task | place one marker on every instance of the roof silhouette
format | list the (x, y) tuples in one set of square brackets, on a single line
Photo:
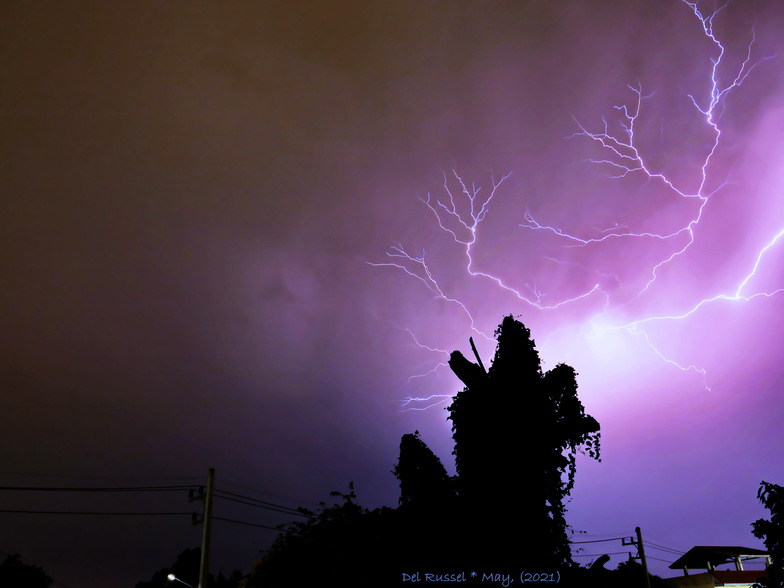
[(709, 556)]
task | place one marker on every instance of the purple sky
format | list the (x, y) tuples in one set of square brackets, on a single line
[(192, 195)]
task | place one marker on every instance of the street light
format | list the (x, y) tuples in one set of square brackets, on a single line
[(173, 578)]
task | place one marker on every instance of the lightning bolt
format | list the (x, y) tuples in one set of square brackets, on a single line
[(461, 209)]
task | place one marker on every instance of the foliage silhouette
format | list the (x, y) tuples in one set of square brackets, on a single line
[(631, 573), (186, 568), (772, 532), (424, 482), (517, 431), (343, 544), (13, 573)]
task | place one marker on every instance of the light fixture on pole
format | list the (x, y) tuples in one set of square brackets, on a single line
[(173, 578)]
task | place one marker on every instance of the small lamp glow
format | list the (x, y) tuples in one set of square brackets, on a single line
[(173, 578)]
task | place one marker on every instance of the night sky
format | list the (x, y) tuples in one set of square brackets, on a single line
[(199, 203)]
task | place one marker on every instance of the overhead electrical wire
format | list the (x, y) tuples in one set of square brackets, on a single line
[(97, 488), (214, 518), (663, 548), (256, 490), (94, 512), (598, 540), (193, 488), (600, 554), (231, 496)]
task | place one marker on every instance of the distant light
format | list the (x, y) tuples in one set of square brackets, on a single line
[(173, 578)]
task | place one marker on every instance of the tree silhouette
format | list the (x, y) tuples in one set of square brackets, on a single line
[(13, 573), (342, 545), (427, 513), (424, 482), (772, 532), (186, 568), (517, 431)]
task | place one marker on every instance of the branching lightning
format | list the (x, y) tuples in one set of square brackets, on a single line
[(462, 208)]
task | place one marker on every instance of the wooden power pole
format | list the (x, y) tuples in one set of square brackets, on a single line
[(643, 561), (204, 566)]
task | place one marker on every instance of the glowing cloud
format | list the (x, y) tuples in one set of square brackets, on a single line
[(620, 287)]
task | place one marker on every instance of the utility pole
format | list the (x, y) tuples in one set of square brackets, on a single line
[(205, 537), (206, 520), (643, 561), (640, 554)]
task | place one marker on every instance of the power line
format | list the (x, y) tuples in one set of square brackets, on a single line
[(105, 477), (253, 499), (246, 523), (600, 554), (258, 503), (597, 540), (273, 509), (93, 512), (96, 488), (663, 548), (297, 500)]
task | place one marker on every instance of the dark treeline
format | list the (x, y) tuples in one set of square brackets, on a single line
[(772, 532), (16, 573), (186, 569), (516, 431)]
